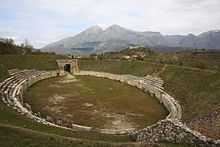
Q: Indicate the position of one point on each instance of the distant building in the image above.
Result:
(135, 47)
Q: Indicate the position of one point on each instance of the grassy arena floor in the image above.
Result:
(95, 102)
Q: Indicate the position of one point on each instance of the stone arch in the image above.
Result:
(69, 65)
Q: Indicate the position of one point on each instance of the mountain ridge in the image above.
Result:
(115, 38)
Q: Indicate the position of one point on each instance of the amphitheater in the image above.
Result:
(169, 129)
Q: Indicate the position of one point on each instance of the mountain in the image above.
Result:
(116, 38)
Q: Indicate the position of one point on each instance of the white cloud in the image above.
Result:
(44, 21)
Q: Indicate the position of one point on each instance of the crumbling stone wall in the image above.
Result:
(173, 131)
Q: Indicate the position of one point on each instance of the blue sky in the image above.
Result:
(45, 21)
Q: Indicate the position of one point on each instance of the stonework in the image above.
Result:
(169, 130)
(72, 62)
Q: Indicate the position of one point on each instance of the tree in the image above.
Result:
(27, 44)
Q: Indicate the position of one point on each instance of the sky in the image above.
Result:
(46, 21)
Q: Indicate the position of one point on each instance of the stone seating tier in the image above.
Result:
(169, 129)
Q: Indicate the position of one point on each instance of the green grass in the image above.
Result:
(40, 62)
(10, 117)
(20, 137)
(120, 67)
(204, 60)
(197, 91)
(17, 130)
(3, 73)
(107, 96)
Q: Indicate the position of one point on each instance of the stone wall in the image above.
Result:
(170, 129)
(14, 87)
(72, 62)
(12, 90)
(150, 84)
(175, 132)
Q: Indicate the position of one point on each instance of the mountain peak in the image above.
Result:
(115, 38)
(191, 35)
(211, 32)
(115, 27)
(95, 28)
(214, 31)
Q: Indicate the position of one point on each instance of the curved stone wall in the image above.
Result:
(12, 90)
(170, 129)
(150, 84)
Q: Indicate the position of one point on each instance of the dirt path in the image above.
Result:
(162, 70)
(184, 67)
(85, 142)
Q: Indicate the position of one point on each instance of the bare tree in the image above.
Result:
(27, 44)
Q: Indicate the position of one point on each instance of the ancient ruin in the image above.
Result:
(69, 65)
(170, 129)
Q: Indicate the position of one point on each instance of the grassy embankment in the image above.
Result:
(40, 62)
(197, 91)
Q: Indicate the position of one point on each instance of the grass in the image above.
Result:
(120, 67)
(3, 73)
(40, 62)
(19, 137)
(10, 117)
(67, 101)
(17, 130)
(197, 90)
(208, 60)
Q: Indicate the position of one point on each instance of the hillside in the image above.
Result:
(116, 38)
(209, 60)
(40, 62)
(196, 89)
(8, 46)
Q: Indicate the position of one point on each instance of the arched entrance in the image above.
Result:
(67, 67)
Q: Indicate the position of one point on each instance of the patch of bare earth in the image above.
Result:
(68, 79)
(118, 121)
